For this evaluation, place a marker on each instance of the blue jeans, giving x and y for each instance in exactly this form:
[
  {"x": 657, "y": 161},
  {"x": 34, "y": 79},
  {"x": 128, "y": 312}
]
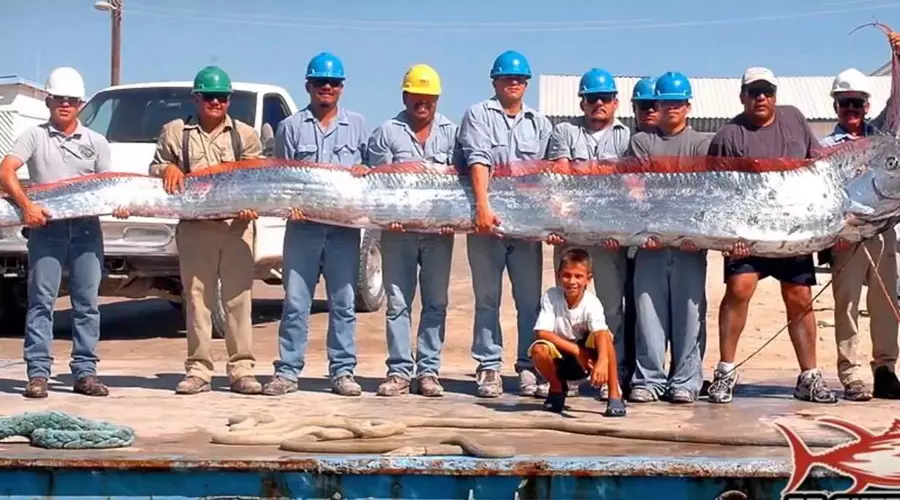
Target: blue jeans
[
  {"x": 402, "y": 253},
  {"x": 308, "y": 247},
  {"x": 670, "y": 294},
  {"x": 76, "y": 244},
  {"x": 488, "y": 257}
]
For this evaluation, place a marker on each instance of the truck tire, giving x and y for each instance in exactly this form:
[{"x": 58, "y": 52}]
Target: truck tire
[
  {"x": 218, "y": 312},
  {"x": 13, "y": 305},
  {"x": 369, "y": 282}
]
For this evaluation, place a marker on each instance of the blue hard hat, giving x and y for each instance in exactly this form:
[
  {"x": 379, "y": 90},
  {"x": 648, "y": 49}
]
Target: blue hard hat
[
  {"x": 325, "y": 65},
  {"x": 596, "y": 81},
  {"x": 511, "y": 63},
  {"x": 673, "y": 86},
  {"x": 644, "y": 90}
]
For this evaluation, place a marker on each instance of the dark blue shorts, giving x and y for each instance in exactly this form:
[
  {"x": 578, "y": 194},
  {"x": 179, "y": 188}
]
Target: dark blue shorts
[{"x": 795, "y": 270}]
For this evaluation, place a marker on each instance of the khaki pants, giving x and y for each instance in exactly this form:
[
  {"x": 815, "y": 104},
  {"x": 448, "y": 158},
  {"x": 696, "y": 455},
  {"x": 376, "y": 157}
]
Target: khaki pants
[
  {"x": 210, "y": 251},
  {"x": 847, "y": 287}
]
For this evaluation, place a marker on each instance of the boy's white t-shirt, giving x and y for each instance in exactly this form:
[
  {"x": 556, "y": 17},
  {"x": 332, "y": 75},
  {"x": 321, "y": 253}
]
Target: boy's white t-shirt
[{"x": 574, "y": 324}]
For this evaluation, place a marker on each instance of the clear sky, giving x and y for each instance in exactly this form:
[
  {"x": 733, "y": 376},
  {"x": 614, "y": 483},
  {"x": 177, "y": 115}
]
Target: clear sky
[{"x": 271, "y": 41}]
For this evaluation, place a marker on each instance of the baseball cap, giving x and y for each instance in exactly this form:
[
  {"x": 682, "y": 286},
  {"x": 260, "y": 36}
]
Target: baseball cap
[{"x": 752, "y": 75}]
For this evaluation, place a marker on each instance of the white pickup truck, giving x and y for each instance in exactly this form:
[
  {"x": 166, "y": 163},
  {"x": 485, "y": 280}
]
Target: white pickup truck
[{"x": 141, "y": 255}]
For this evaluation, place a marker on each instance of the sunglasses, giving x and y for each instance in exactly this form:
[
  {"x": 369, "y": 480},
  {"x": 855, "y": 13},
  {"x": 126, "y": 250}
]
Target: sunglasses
[
  {"x": 321, "y": 82},
  {"x": 60, "y": 99},
  {"x": 646, "y": 105},
  {"x": 212, "y": 96},
  {"x": 851, "y": 102},
  {"x": 755, "y": 92},
  {"x": 593, "y": 98}
]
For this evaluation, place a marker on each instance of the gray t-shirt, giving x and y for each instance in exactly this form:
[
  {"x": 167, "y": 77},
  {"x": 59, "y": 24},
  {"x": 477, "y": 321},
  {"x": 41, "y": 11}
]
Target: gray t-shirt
[
  {"x": 51, "y": 156},
  {"x": 789, "y": 136},
  {"x": 688, "y": 142}
]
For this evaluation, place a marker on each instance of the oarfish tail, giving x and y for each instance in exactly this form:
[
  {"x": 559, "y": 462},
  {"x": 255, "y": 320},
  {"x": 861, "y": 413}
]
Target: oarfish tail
[{"x": 803, "y": 458}]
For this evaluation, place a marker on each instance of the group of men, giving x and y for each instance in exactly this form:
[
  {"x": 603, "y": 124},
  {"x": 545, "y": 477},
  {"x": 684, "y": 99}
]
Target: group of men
[{"x": 655, "y": 296}]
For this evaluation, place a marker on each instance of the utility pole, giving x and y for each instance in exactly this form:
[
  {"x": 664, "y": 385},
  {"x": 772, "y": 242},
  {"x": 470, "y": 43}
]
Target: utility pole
[{"x": 114, "y": 7}]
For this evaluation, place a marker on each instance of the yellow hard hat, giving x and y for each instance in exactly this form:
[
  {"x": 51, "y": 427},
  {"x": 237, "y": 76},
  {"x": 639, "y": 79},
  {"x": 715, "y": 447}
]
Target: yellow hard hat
[{"x": 422, "y": 79}]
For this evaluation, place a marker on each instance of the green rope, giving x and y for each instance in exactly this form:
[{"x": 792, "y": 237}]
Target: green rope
[{"x": 59, "y": 430}]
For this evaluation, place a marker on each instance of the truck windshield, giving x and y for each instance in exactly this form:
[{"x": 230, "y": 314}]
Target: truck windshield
[{"x": 137, "y": 115}]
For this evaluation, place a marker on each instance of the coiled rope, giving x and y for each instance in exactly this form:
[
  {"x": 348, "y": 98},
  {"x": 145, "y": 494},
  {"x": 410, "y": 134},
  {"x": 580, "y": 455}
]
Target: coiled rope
[{"x": 59, "y": 430}]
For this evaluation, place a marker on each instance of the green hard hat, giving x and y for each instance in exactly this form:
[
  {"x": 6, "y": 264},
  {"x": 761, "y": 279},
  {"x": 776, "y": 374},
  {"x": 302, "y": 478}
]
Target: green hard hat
[{"x": 212, "y": 79}]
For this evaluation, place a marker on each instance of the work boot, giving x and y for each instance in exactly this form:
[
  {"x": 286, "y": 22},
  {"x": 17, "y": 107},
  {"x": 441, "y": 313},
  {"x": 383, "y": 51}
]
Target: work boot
[
  {"x": 279, "y": 386},
  {"x": 811, "y": 386},
  {"x": 345, "y": 385},
  {"x": 91, "y": 386},
  {"x": 857, "y": 391},
  {"x": 528, "y": 383},
  {"x": 721, "y": 390},
  {"x": 543, "y": 390},
  {"x": 886, "y": 384},
  {"x": 192, "y": 385},
  {"x": 490, "y": 385},
  {"x": 393, "y": 386},
  {"x": 430, "y": 386},
  {"x": 246, "y": 385},
  {"x": 36, "y": 388},
  {"x": 641, "y": 394},
  {"x": 680, "y": 395}
]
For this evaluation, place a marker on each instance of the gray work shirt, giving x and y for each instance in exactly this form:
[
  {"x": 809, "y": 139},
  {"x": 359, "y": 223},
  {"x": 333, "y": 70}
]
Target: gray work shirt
[
  {"x": 688, "y": 142},
  {"x": 487, "y": 135},
  {"x": 301, "y": 137},
  {"x": 51, "y": 156},
  {"x": 394, "y": 141},
  {"x": 575, "y": 142}
]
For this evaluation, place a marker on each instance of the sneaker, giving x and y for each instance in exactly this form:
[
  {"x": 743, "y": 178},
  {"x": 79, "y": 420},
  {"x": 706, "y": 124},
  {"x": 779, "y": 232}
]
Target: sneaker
[
  {"x": 555, "y": 402},
  {"x": 573, "y": 390},
  {"x": 490, "y": 385},
  {"x": 680, "y": 395},
  {"x": 91, "y": 386},
  {"x": 528, "y": 383},
  {"x": 604, "y": 393},
  {"x": 857, "y": 391},
  {"x": 36, "y": 388},
  {"x": 246, "y": 385},
  {"x": 345, "y": 385},
  {"x": 721, "y": 390},
  {"x": 543, "y": 390},
  {"x": 641, "y": 395},
  {"x": 393, "y": 386},
  {"x": 886, "y": 384},
  {"x": 429, "y": 386},
  {"x": 812, "y": 387},
  {"x": 279, "y": 386},
  {"x": 192, "y": 385}
]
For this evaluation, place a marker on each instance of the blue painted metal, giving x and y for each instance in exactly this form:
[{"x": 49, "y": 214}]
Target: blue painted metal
[{"x": 395, "y": 477}]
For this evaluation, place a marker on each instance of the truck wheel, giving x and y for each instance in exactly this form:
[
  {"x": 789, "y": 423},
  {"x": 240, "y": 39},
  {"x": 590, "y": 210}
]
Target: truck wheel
[
  {"x": 218, "y": 313},
  {"x": 13, "y": 304},
  {"x": 369, "y": 283}
]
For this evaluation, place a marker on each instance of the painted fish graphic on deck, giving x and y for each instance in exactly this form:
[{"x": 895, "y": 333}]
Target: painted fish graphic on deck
[{"x": 870, "y": 460}]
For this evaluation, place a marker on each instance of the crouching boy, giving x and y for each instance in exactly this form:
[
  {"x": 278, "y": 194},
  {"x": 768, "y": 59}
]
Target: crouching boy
[{"x": 573, "y": 341}]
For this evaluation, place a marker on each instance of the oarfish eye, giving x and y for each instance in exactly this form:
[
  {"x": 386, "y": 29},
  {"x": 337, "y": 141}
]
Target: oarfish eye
[{"x": 891, "y": 163}]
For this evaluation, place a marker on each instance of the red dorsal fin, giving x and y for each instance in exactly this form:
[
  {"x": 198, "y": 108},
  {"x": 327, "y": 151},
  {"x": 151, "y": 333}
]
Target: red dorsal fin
[
  {"x": 656, "y": 165},
  {"x": 231, "y": 166},
  {"x": 414, "y": 167}
]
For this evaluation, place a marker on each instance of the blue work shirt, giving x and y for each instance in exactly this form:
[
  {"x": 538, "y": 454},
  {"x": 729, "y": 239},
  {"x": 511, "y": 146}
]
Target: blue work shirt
[
  {"x": 487, "y": 135},
  {"x": 394, "y": 141},
  {"x": 574, "y": 141},
  {"x": 301, "y": 137},
  {"x": 840, "y": 134}
]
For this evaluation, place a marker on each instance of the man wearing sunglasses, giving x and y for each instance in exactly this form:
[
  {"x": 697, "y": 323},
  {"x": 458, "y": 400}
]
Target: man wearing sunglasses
[
  {"x": 644, "y": 105},
  {"x": 212, "y": 253},
  {"x": 59, "y": 149},
  {"x": 851, "y": 91},
  {"x": 764, "y": 130},
  {"x": 595, "y": 135},
  {"x": 669, "y": 284},
  {"x": 493, "y": 133},
  {"x": 322, "y": 132}
]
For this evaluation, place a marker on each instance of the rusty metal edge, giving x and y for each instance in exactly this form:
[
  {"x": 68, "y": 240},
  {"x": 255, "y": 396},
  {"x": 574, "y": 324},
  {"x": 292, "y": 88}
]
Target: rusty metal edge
[{"x": 452, "y": 466}]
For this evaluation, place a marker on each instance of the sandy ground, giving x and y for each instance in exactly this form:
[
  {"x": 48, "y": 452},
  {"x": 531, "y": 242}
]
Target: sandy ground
[{"x": 143, "y": 347}]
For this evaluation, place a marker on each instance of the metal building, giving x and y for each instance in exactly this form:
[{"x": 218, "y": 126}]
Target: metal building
[
  {"x": 715, "y": 101},
  {"x": 21, "y": 106}
]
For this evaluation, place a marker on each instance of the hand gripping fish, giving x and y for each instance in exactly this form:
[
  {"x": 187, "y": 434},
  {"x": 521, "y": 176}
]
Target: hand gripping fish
[{"x": 779, "y": 207}]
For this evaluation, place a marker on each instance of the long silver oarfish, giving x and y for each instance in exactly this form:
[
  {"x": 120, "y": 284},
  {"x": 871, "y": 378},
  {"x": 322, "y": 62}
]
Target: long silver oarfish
[{"x": 780, "y": 207}]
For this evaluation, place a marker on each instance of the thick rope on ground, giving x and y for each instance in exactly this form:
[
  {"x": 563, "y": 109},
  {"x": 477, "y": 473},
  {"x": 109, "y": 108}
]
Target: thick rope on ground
[
  {"x": 307, "y": 435},
  {"x": 59, "y": 430}
]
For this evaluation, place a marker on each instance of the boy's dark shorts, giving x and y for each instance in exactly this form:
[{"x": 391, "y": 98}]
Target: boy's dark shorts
[
  {"x": 799, "y": 270},
  {"x": 567, "y": 366}
]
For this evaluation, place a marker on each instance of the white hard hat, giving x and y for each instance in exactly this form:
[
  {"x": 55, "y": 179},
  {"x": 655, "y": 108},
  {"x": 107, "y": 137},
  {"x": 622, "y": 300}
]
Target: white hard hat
[
  {"x": 851, "y": 80},
  {"x": 65, "y": 82}
]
